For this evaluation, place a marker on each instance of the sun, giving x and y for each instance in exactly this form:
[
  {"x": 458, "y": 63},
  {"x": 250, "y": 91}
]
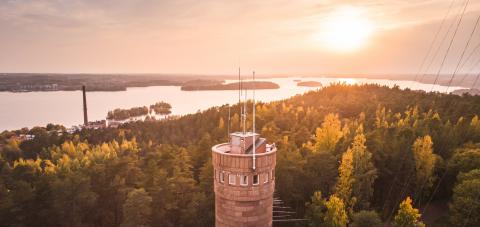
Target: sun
[{"x": 346, "y": 29}]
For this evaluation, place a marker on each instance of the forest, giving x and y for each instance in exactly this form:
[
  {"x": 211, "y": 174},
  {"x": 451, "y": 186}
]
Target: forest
[{"x": 348, "y": 155}]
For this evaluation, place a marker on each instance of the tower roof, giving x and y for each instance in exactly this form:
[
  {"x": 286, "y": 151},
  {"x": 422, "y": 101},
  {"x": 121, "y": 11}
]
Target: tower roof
[{"x": 246, "y": 134}]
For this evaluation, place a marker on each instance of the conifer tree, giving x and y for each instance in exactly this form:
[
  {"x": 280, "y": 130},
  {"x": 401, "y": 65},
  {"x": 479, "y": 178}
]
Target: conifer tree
[
  {"x": 366, "y": 218},
  {"x": 465, "y": 206},
  {"x": 137, "y": 209},
  {"x": 364, "y": 172},
  {"x": 315, "y": 210}
]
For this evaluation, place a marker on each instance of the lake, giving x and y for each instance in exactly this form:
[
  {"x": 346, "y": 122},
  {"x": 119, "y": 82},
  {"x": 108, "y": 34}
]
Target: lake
[{"x": 31, "y": 109}]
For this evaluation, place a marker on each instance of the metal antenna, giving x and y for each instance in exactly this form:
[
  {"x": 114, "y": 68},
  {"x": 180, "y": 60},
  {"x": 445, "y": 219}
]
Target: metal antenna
[
  {"x": 253, "y": 125},
  {"x": 245, "y": 111},
  {"x": 228, "y": 126},
  {"x": 240, "y": 96},
  {"x": 242, "y": 109}
]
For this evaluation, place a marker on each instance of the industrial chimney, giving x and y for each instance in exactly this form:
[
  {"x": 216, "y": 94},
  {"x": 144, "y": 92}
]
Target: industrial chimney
[{"x": 85, "y": 114}]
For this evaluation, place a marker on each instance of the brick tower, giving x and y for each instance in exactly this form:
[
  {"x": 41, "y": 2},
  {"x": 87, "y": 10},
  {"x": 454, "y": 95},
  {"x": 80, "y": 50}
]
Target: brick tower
[{"x": 244, "y": 180}]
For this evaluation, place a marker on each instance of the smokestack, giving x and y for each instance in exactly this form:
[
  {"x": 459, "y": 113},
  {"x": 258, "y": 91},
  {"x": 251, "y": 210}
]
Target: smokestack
[{"x": 85, "y": 115}]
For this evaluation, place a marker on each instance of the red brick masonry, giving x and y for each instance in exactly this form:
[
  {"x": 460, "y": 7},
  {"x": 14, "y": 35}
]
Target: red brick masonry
[{"x": 248, "y": 204}]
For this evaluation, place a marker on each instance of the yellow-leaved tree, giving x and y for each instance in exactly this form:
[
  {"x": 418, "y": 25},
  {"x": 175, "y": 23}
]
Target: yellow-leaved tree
[
  {"x": 327, "y": 136},
  {"x": 407, "y": 216},
  {"x": 424, "y": 163}
]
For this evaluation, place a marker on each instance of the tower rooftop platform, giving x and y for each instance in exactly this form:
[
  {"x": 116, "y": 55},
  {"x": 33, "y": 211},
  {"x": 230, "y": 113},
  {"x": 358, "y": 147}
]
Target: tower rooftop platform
[
  {"x": 242, "y": 143},
  {"x": 246, "y": 134}
]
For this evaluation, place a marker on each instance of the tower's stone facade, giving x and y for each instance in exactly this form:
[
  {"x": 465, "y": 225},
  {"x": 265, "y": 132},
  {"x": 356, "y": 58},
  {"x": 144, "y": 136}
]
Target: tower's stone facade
[{"x": 243, "y": 195}]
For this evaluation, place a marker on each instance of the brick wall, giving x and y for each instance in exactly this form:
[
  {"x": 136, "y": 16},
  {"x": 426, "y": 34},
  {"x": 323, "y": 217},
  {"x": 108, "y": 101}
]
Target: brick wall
[{"x": 243, "y": 205}]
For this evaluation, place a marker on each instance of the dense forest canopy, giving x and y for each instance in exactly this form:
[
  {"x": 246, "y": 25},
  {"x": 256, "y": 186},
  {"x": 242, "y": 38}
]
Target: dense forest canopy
[{"x": 347, "y": 155}]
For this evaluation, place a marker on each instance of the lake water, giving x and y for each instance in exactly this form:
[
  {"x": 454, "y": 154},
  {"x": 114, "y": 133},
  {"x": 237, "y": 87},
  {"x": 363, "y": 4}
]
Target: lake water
[{"x": 30, "y": 109}]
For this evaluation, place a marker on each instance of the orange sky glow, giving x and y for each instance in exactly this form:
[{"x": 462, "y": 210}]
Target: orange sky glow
[{"x": 281, "y": 37}]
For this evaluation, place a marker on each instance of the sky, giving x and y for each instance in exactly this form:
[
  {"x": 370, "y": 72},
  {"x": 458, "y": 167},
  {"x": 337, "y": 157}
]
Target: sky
[{"x": 278, "y": 37}]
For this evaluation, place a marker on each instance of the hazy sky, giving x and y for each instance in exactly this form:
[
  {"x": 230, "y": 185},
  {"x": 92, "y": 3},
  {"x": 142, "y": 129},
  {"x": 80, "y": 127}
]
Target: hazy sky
[{"x": 215, "y": 37}]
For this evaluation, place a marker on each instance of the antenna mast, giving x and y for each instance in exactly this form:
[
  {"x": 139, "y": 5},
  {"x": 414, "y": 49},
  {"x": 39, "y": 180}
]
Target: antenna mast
[
  {"x": 253, "y": 125},
  {"x": 245, "y": 111},
  {"x": 240, "y": 96},
  {"x": 228, "y": 126}
]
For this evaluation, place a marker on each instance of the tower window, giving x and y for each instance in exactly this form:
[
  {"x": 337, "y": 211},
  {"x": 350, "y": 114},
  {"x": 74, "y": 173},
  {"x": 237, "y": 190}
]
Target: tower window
[
  {"x": 243, "y": 180},
  {"x": 222, "y": 177},
  {"x": 256, "y": 180},
  {"x": 231, "y": 179},
  {"x": 266, "y": 178}
]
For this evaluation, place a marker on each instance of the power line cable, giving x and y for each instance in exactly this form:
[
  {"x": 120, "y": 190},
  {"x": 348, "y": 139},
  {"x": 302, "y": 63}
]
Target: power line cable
[
  {"x": 476, "y": 64},
  {"x": 404, "y": 187},
  {"x": 475, "y": 82},
  {"x": 463, "y": 54},
  {"x": 450, "y": 45},
  {"x": 467, "y": 60},
  {"x": 449, "y": 84},
  {"x": 446, "y": 169},
  {"x": 437, "y": 51},
  {"x": 426, "y": 70},
  {"x": 436, "y": 78},
  {"x": 430, "y": 48}
]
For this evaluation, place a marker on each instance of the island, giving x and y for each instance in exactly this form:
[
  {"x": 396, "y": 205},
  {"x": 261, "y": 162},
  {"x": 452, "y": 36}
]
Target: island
[
  {"x": 122, "y": 114},
  {"x": 161, "y": 108},
  {"x": 259, "y": 85},
  {"x": 309, "y": 84}
]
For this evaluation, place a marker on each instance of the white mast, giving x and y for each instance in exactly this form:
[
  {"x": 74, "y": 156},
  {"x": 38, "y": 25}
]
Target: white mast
[
  {"x": 253, "y": 125},
  {"x": 240, "y": 97},
  {"x": 245, "y": 111},
  {"x": 228, "y": 126}
]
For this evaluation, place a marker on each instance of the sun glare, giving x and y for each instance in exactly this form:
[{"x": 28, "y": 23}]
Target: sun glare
[
  {"x": 346, "y": 29},
  {"x": 349, "y": 81}
]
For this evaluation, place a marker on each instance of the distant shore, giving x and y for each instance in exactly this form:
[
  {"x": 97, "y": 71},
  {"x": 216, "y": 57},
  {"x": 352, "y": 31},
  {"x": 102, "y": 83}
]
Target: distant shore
[
  {"x": 259, "y": 85},
  {"x": 32, "y": 82},
  {"x": 93, "y": 82}
]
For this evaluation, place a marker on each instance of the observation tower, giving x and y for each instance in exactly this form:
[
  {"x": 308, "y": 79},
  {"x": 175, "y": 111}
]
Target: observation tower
[
  {"x": 244, "y": 194},
  {"x": 244, "y": 182}
]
